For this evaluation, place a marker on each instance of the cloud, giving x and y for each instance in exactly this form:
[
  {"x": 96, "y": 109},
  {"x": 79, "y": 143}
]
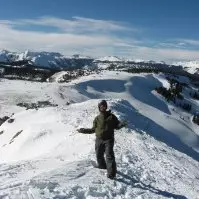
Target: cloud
[
  {"x": 191, "y": 42},
  {"x": 76, "y": 24},
  {"x": 173, "y": 44},
  {"x": 180, "y": 43},
  {"x": 75, "y": 35},
  {"x": 16, "y": 38},
  {"x": 89, "y": 37},
  {"x": 168, "y": 54}
]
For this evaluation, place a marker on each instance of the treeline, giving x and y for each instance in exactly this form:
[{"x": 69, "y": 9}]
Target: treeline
[
  {"x": 195, "y": 95},
  {"x": 26, "y": 73},
  {"x": 25, "y": 70},
  {"x": 73, "y": 74},
  {"x": 143, "y": 67},
  {"x": 174, "y": 93},
  {"x": 196, "y": 119}
]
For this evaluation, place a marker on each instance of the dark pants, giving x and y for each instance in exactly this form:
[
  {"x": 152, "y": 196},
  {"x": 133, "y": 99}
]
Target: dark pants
[{"x": 106, "y": 146}]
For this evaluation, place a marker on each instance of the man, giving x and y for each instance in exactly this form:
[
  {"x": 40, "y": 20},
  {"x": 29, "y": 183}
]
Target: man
[{"x": 103, "y": 127}]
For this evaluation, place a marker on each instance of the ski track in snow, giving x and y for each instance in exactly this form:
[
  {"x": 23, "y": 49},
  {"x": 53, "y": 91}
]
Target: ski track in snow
[{"x": 53, "y": 161}]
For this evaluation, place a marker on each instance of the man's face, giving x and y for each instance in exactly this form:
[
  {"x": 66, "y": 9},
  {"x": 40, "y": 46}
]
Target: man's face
[{"x": 102, "y": 108}]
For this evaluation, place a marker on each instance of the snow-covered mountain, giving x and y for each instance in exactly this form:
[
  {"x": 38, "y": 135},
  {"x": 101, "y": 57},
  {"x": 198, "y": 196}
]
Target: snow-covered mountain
[
  {"x": 109, "y": 59},
  {"x": 57, "y": 61},
  {"x": 46, "y": 59},
  {"x": 42, "y": 155},
  {"x": 190, "y": 66},
  {"x": 40, "y": 66}
]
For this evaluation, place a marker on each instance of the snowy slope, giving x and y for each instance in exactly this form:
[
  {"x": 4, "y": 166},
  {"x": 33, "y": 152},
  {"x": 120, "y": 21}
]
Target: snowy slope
[{"x": 42, "y": 156}]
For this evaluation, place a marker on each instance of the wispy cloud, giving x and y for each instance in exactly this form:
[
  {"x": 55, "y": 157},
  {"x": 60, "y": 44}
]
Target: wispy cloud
[
  {"x": 76, "y": 24},
  {"x": 180, "y": 43},
  {"x": 75, "y": 35},
  {"x": 191, "y": 42},
  {"x": 174, "y": 44},
  {"x": 89, "y": 37},
  {"x": 165, "y": 54}
]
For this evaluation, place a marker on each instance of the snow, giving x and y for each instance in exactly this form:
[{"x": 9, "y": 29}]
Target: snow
[
  {"x": 157, "y": 154},
  {"x": 78, "y": 56},
  {"x": 42, "y": 59},
  {"x": 55, "y": 60},
  {"x": 57, "y": 77},
  {"x": 162, "y": 78},
  {"x": 109, "y": 58},
  {"x": 103, "y": 65},
  {"x": 190, "y": 66},
  {"x": 136, "y": 60}
]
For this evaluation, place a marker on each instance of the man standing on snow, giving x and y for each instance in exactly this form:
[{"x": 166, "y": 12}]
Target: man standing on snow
[{"x": 103, "y": 127}]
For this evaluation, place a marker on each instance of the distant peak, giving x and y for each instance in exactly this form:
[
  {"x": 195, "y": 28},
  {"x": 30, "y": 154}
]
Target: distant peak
[
  {"x": 190, "y": 66},
  {"x": 78, "y": 56},
  {"x": 109, "y": 58}
]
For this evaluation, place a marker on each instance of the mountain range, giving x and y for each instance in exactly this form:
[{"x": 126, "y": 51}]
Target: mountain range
[
  {"x": 41, "y": 66},
  {"x": 53, "y": 60}
]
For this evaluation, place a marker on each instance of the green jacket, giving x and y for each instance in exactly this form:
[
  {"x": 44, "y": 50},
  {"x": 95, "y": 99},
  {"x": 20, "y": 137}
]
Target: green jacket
[{"x": 104, "y": 125}]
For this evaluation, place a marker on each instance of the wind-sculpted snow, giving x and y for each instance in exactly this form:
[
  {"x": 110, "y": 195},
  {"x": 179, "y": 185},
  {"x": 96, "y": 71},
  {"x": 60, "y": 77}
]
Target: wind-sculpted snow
[
  {"x": 141, "y": 124},
  {"x": 141, "y": 88},
  {"x": 156, "y": 153},
  {"x": 95, "y": 88}
]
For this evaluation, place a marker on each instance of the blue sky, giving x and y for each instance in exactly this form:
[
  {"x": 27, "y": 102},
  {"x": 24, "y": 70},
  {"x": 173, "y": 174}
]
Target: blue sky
[{"x": 165, "y": 30}]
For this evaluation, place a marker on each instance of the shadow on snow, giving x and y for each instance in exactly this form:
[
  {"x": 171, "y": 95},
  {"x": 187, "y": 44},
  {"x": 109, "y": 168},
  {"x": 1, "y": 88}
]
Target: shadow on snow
[
  {"x": 137, "y": 184},
  {"x": 141, "y": 87},
  {"x": 140, "y": 123}
]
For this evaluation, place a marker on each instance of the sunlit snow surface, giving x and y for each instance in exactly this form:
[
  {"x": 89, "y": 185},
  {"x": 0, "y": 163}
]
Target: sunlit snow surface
[{"x": 43, "y": 157}]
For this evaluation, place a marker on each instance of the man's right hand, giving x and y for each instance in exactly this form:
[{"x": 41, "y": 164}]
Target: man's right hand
[
  {"x": 85, "y": 130},
  {"x": 81, "y": 130},
  {"x": 123, "y": 123}
]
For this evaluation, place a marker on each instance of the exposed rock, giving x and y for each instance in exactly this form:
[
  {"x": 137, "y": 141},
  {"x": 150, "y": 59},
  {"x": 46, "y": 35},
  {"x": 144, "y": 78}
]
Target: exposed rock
[
  {"x": 10, "y": 120},
  {"x": 39, "y": 104},
  {"x": 17, "y": 134},
  {"x": 3, "y": 119}
]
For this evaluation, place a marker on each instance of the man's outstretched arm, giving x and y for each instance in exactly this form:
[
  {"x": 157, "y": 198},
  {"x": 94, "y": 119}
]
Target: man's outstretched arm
[
  {"x": 119, "y": 124},
  {"x": 122, "y": 124},
  {"x": 88, "y": 130}
]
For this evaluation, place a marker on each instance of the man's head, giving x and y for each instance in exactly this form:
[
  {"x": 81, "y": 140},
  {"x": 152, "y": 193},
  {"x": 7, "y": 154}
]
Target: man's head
[{"x": 102, "y": 106}]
